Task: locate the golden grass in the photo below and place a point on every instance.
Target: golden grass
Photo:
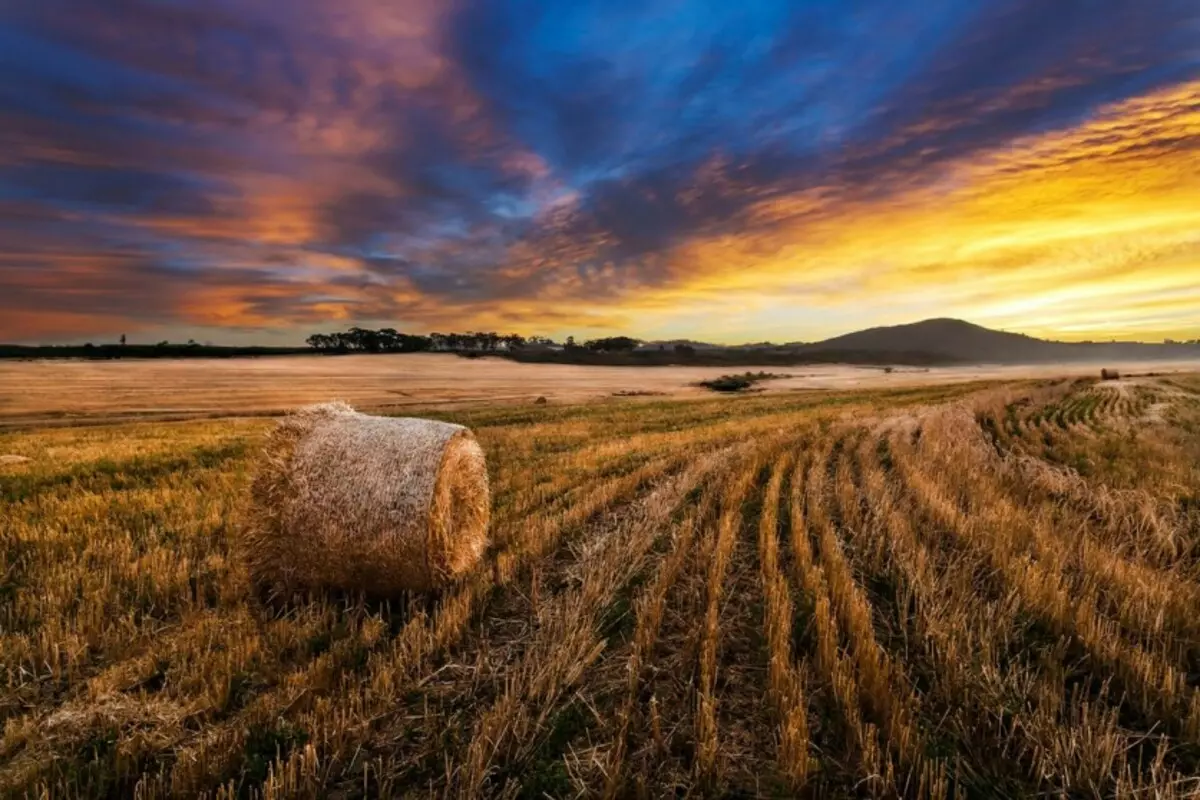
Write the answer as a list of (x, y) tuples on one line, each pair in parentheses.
[(981, 590)]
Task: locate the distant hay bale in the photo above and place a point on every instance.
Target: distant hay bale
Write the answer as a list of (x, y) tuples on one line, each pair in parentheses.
[(1109, 375), (360, 503)]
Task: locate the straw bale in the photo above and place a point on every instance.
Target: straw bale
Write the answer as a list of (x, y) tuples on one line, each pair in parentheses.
[(360, 503)]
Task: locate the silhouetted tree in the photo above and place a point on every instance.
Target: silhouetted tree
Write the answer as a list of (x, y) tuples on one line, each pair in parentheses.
[(614, 344), (385, 340), (390, 340)]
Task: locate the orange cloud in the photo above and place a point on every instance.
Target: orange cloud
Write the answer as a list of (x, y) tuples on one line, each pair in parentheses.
[(1097, 222)]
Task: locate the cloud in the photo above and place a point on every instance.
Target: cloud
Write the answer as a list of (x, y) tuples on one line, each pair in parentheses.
[(551, 165)]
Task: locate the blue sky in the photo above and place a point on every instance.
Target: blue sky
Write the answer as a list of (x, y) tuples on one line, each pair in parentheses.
[(246, 170)]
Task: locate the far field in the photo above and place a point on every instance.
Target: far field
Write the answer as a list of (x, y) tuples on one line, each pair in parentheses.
[(73, 392), (969, 589)]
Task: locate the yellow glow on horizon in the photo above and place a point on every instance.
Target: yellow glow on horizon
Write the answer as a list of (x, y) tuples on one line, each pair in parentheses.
[(1099, 223), (1087, 233)]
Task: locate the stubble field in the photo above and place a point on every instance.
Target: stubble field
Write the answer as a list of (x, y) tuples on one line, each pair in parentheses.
[(971, 590)]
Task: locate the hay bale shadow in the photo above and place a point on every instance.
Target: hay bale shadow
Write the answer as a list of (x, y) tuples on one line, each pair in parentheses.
[(396, 610)]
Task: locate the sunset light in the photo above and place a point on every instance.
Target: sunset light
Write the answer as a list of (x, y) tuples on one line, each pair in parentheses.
[(771, 171)]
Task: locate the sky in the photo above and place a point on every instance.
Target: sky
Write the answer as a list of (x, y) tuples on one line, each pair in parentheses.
[(253, 171)]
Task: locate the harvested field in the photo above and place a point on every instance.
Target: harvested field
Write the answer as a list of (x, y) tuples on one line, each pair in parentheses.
[(72, 392), (967, 590)]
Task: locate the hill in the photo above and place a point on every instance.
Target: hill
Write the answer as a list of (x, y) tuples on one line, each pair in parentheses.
[(938, 340), (931, 342), (957, 341)]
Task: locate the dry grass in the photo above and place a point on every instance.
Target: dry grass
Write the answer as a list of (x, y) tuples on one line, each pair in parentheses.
[(970, 591)]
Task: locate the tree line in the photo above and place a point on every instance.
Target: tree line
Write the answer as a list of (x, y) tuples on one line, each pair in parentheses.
[(390, 340)]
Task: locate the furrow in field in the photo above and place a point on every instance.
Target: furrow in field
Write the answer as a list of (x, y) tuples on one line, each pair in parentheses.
[(851, 745), (785, 679), (742, 733), (565, 643), (1157, 691), (888, 699), (968, 650), (637, 733), (1155, 607)]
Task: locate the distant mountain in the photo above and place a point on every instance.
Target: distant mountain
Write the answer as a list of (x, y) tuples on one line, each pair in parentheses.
[(953, 340), (931, 342), (928, 343)]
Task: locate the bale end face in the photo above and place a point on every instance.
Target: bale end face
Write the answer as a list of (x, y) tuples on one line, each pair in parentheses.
[(460, 511)]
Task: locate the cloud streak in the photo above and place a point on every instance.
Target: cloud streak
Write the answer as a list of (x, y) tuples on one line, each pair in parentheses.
[(736, 171)]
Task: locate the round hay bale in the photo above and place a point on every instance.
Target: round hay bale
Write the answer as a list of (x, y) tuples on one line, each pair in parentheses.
[(381, 505)]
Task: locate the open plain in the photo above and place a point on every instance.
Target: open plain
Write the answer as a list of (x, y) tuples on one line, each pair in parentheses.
[(42, 392), (939, 588)]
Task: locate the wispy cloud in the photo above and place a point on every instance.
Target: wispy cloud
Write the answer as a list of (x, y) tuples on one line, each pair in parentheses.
[(737, 171)]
